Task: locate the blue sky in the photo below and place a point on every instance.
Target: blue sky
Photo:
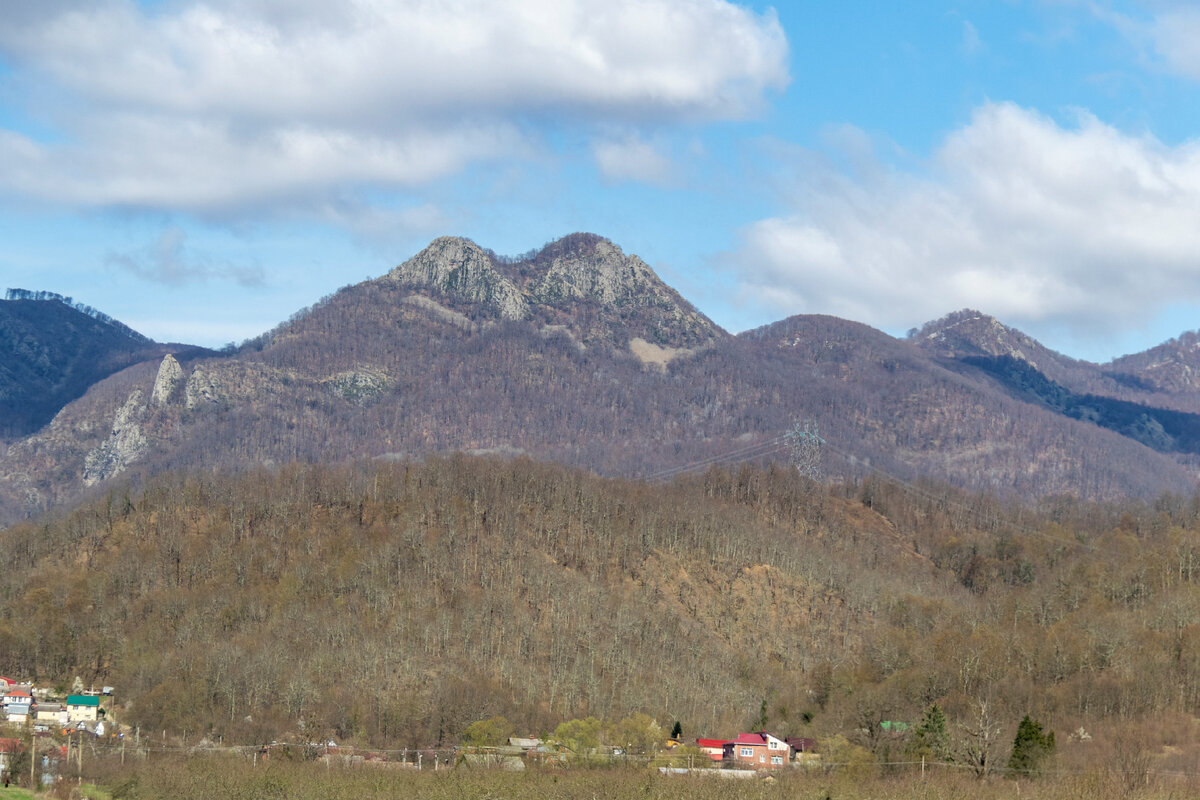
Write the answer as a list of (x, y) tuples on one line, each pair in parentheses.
[(203, 170)]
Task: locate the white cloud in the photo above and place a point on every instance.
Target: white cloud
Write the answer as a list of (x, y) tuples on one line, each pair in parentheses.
[(169, 262), (1167, 33), (972, 45), (1172, 33), (1018, 216), (630, 158), (206, 106)]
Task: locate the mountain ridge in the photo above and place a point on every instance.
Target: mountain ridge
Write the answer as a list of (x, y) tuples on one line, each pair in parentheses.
[(52, 350), (578, 353)]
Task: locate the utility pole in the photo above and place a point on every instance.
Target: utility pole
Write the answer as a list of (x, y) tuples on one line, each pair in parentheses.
[(33, 761)]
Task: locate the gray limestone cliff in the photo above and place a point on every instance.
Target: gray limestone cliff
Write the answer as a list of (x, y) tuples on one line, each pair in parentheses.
[(170, 375), (582, 284), (125, 445), (202, 390), (602, 273), (463, 270), (588, 269)]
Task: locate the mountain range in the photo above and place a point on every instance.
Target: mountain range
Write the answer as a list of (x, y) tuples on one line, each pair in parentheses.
[(579, 353)]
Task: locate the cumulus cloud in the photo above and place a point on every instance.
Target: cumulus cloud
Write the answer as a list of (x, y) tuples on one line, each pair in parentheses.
[(204, 106), (168, 261), (1017, 216)]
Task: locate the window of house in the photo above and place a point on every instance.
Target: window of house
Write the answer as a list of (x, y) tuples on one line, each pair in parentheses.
[(747, 752), (776, 759)]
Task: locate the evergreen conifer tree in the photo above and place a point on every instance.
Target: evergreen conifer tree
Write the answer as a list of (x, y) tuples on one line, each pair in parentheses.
[(930, 739), (1030, 747)]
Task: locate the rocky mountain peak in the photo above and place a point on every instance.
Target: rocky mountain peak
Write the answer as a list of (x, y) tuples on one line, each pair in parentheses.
[(584, 271), (595, 270), (582, 284), (462, 270)]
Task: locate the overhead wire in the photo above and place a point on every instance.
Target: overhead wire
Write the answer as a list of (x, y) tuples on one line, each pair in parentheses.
[(744, 453), (770, 446)]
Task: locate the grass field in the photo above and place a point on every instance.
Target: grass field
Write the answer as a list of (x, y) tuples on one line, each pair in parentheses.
[(216, 778)]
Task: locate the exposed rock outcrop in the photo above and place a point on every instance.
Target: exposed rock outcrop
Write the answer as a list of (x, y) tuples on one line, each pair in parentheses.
[(602, 273), (439, 311), (582, 283), (125, 445), (359, 386), (463, 270), (170, 375), (202, 389)]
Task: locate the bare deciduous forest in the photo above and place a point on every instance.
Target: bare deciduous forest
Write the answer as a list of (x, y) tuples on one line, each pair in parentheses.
[(395, 604), (581, 355)]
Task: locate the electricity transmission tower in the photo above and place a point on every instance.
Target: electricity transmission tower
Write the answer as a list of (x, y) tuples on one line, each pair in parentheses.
[(805, 442)]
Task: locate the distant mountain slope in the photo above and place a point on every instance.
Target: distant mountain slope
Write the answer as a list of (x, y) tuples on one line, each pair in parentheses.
[(1171, 368), (51, 351), (578, 354), (970, 334), (1150, 397), (1162, 429), (1166, 376), (886, 401)]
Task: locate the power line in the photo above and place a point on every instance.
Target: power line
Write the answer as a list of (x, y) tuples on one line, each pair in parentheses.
[(804, 437), (744, 453), (917, 490)]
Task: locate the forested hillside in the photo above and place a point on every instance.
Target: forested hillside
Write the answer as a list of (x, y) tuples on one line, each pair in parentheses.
[(52, 350), (578, 354), (1161, 379), (398, 603)]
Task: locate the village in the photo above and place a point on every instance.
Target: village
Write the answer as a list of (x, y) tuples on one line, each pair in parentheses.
[(60, 717), (48, 710), (747, 752), (66, 720)]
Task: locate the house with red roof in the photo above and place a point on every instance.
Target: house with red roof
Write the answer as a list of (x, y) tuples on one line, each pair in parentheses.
[(16, 697), (713, 748), (756, 751)]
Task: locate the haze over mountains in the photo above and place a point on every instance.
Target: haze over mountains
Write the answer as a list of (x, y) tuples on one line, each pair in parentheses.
[(578, 353)]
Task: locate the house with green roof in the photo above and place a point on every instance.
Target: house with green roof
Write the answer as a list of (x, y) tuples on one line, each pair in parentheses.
[(82, 707)]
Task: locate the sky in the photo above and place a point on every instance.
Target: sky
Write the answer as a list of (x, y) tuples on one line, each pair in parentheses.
[(202, 171)]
